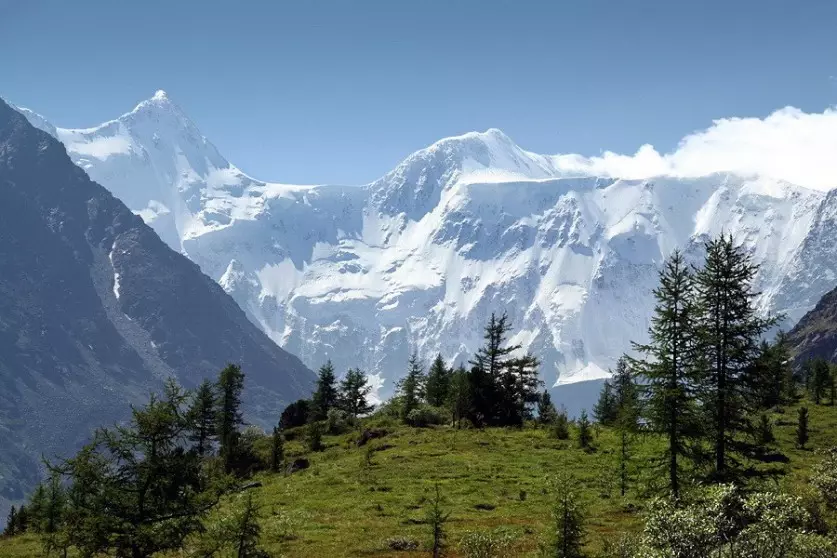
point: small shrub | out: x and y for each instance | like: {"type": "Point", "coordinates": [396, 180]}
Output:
{"type": "Point", "coordinates": [401, 543]}
{"type": "Point", "coordinates": [487, 544]}
{"type": "Point", "coordinates": [424, 416]}
{"type": "Point", "coordinates": [338, 421]}
{"type": "Point", "coordinates": [314, 437]}
{"type": "Point", "coordinates": [561, 426]}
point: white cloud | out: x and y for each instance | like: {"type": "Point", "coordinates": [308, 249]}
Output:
{"type": "Point", "coordinates": [789, 145]}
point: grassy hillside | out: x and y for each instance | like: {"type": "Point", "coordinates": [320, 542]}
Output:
{"type": "Point", "coordinates": [352, 499]}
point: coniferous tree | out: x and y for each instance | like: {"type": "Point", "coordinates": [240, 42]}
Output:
{"type": "Point", "coordinates": [11, 523]}
{"type": "Point", "coordinates": [832, 385]}
{"type": "Point", "coordinates": [436, 519]}
{"type": "Point", "coordinates": [314, 436]}
{"type": "Point", "coordinates": [568, 533]}
{"type": "Point", "coordinates": [802, 427]}
{"type": "Point", "coordinates": [459, 396]}
{"type": "Point", "coordinates": [203, 418]}
{"type": "Point", "coordinates": [667, 372]}
{"type": "Point", "coordinates": [247, 530]}
{"type": "Point", "coordinates": [411, 388]}
{"type": "Point", "coordinates": [764, 434]}
{"type": "Point", "coordinates": [325, 395]}
{"type": "Point", "coordinates": [296, 414]}
{"type": "Point", "coordinates": [561, 426]}
{"type": "Point", "coordinates": [728, 334]}
{"type": "Point", "coordinates": [820, 378]}
{"type": "Point", "coordinates": [546, 409]}
{"type": "Point", "coordinates": [502, 387]}
{"type": "Point", "coordinates": [353, 393]}
{"type": "Point", "coordinates": [135, 490]}
{"type": "Point", "coordinates": [627, 409]}
{"type": "Point", "coordinates": [22, 519]}
{"type": "Point", "coordinates": [277, 449]}
{"type": "Point", "coordinates": [229, 419]}
{"type": "Point", "coordinates": [52, 512]}
{"type": "Point", "coordinates": [438, 382]}
{"type": "Point", "coordinates": [584, 434]}
{"type": "Point", "coordinates": [604, 411]}
{"type": "Point", "coordinates": [36, 507]}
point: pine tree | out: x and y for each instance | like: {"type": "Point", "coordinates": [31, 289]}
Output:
{"type": "Point", "coordinates": [411, 388]}
{"type": "Point", "coordinates": [296, 414]}
{"type": "Point", "coordinates": [459, 396]}
{"type": "Point", "coordinates": [604, 411]}
{"type": "Point", "coordinates": [277, 449]}
{"type": "Point", "coordinates": [584, 434]}
{"type": "Point", "coordinates": [229, 419]}
{"type": "Point", "coordinates": [764, 434]}
{"type": "Point", "coordinates": [353, 393]}
{"type": "Point", "coordinates": [11, 523]}
{"type": "Point", "coordinates": [728, 331]}
{"type": "Point", "coordinates": [22, 520]}
{"type": "Point", "coordinates": [546, 410]}
{"type": "Point", "coordinates": [438, 382]}
{"type": "Point", "coordinates": [325, 396]}
{"type": "Point", "coordinates": [247, 530]}
{"type": "Point", "coordinates": [568, 533]}
{"type": "Point", "coordinates": [667, 371]}
{"type": "Point", "coordinates": [436, 519]}
{"type": "Point", "coordinates": [203, 418]}
{"type": "Point", "coordinates": [36, 507]}
{"type": "Point", "coordinates": [820, 378]}
{"type": "Point", "coordinates": [502, 387]}
{"type": "Point", "coordinates": [314, 436]}
{"type": "Point", "coordinates": [54, 506]}
{"type": "Point", "coordinates": [832, 385]}
{"type": "Point", "coordinates": [627, 409]}
{"type": "Point", "coordinates": [802, 427]}
{"type": "Point", "coordinates": [561, 426]}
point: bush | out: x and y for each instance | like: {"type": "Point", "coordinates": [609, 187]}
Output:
{"type": "Point", "coordinates": [487, 544]}
{"type": "Point", "coordinates": [339, 421]}
{"type": "Point", "coordinates": [401, 543]}
{"type": "Point", "coordinates": [314, 437]}
{"type": "Point", "coordinates": [425, 415]}
{"type": "Point", "coordinates": [561, 426]}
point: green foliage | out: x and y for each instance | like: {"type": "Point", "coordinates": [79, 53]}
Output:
{"type": "Point", "coordinates": [604, 411]}
{"type": "Point", "coordinates": [411, 387]}
{"type": "Point", "coordinates": [229, 419]}
{"type": "Point", "coordinates": [802, 435]}
{"type": "Point", "coordinates": [277, 450]}
{"type": "Point", "coordinates": [437, 386]}
{"type": "Point", "coordinates": [235, 532]}
{"type": "Point", "coordinates": [202, 417]}
{"type": "Point", "coordinates": [487, 544]}
{"type": "Point", "coordinates": [668, 369]}
{"type": "Point", "coordinates": [585, 436]}
{"type": "Point", "coordinates": [561, 426]}
{"type": "Point", "coordinates": [567, 533]}
{"type": "Point", "coordinates": [459, 396]}
{"type": "Point", "coordinates": [436, 518]}
{"type": "Point", "coordinates": [338, 421]}
{"type": "Point", "coordinates": [502, 388]}
{"type": "Point", "coordinates": [546, 410]}
{"type": "Point", "coordinates": [295, 415]}
{"type": "Point", "coordinates": [314, 436]}
{"type": "Point", "coordinates": [820, 380]}
{"type": "Point", "coordinates": [325, 396]}
{"type": "Point", "coordinates": [728, 329]}
{"type": "Point", "coordinates": [353, 392]}
{"type": "Point", "coordinates": [425, 415]}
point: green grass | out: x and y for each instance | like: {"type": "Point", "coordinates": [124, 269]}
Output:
{"type": "Point", "coordinates": [342, 506]}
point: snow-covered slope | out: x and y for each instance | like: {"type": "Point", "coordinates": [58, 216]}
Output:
{"type": "Point", "coordinates": [468, 226]}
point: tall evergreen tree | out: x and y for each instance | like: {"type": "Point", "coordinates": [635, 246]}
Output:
{"type": "Point", "coordinates": [353, 392]}
{"type": "Point", "coordinates": [296, 414]}
{"type": "Point", "coordinates": [229, 419]}
{"type": "Point", "coordinates": [802, 427]}
{"type": "Point", "coordinates": [627, 410]}
{"type": "Point", "coordinates": [667, 372]}
{"type": "Point", "coordinates": [546, 409]}
{"type": "Point", "coordinates": [11, 523]}
{"type": "Point", "coordinates": [567, 537]}
{"type": "Point", "coordinates": [459, 396]}
{"type": "Point", "coordinates": [325, 395]}
{"type": "Point", "coordinates": [584, 435]}
{"type": "Point", "coordinates": [729, 330]}
{"type": "Point", "coordinates": [134, 490]}
{"type": "Point", "coordinates": [438, 382]}
{"type": "Point", "coordinates": [502, 387]}
{"type": "Point", "coordinates": [411, 388]}
{"type": "Point", "coordinates": [604, 411]}
{"type": "Point", "coordinates": [820, 378]}
{"type": "Point", "coordinates": [277, 449]}
{"type": "Point", "coordinates": [203, 418]}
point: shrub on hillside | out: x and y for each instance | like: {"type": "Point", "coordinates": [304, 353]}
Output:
{"type": "Point", "coordinates": [339, 421]}
{"type": "Point", "coordinates": [425, 415]}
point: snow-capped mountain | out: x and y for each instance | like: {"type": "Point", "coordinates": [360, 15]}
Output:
{"type": "Point", "coordinates": [470, 225]}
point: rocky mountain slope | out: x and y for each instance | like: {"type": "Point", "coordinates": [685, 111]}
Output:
{"type": "Point", "coordinates": [95, 311]}
{"type": "Point", "coordinates": [467, 226]}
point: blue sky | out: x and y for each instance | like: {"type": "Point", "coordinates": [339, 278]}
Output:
{"type": "Point", "coordinates": [340, 91]}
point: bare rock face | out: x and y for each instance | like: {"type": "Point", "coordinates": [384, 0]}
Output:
{"type": "Point", "coordinates": [96, 310]}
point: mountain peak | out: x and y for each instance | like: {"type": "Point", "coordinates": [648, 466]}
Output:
{"type": "Point", "coordinates": [160, 95]}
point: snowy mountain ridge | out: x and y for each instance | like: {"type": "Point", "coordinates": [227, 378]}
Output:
{"type": "Point", "coordinates": [473, 224]}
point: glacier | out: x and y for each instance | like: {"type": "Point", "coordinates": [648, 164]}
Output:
{"type": "Point", "coordinates": [418, 259]}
